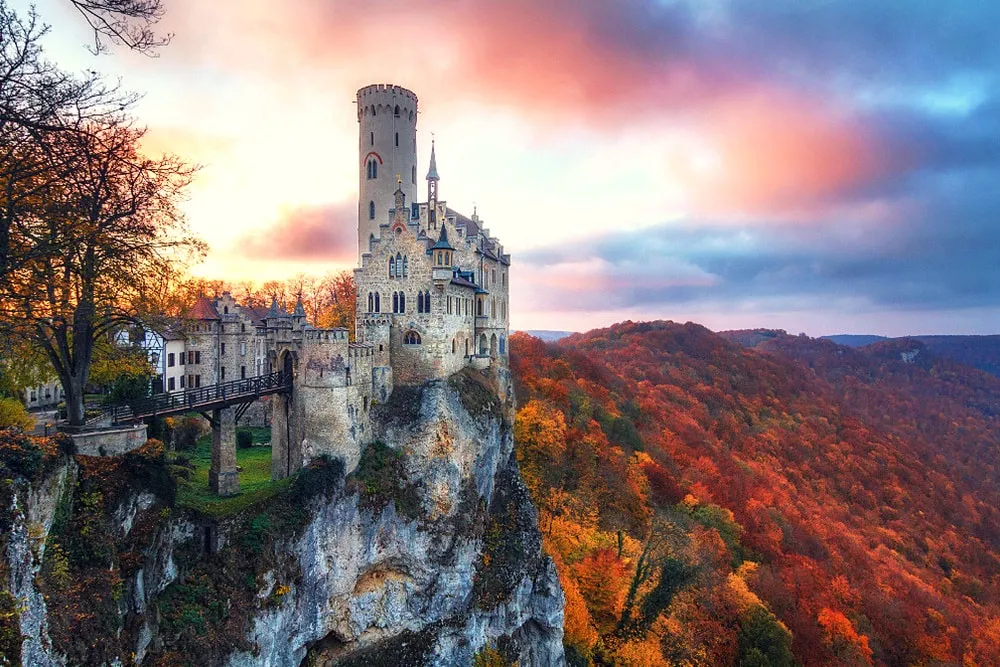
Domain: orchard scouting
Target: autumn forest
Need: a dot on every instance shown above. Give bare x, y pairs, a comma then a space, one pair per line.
755, 498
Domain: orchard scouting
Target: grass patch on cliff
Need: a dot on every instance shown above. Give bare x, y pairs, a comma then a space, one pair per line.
256, 484
381, 478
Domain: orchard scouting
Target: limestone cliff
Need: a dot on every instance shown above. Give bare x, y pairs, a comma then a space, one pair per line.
427, 553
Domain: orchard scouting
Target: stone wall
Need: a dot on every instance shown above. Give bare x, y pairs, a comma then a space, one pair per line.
110, 442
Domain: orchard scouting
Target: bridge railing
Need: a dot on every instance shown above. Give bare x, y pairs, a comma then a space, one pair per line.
193, 397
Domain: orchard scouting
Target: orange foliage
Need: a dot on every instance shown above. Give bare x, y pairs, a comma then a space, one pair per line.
865, 486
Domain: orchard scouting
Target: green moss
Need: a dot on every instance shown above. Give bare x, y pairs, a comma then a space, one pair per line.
511, 542
380, 478
478, 395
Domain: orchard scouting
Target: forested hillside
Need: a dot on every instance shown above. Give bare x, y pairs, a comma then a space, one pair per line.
795, 502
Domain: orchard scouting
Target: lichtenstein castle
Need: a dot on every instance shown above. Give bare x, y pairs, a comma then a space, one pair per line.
432, 298
432, 283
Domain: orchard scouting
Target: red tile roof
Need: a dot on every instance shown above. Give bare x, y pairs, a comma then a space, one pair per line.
202, 310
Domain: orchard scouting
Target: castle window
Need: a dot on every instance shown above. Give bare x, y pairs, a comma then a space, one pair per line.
395, 302
440, 258
413, 175
427, 302
371, 213
453, 346
479, 307
420, 302
347, 376
371, 303
414, 207
373, 109
392, 267
378, 305
371, 138
225, 310
396, 111
411, 338
397, 139
402, 302
494, 278
406, 267
243, 372
223, 373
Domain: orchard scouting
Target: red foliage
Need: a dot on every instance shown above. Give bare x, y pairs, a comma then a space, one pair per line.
866, 481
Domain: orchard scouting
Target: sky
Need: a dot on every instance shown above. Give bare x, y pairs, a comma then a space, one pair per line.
817, 166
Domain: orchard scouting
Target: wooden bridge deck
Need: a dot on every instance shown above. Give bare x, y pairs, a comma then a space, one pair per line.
202, 399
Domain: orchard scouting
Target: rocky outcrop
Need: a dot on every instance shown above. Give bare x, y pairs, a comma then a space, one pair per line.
427, 553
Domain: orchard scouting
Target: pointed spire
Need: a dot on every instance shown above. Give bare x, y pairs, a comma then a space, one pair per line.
274, 311
300, 310
442, 243
432, 173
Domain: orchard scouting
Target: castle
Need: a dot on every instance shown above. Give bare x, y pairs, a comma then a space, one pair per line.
432, 297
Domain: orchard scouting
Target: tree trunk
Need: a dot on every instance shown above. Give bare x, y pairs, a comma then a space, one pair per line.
73, 388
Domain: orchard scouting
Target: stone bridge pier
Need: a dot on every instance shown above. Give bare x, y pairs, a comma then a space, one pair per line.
223, 479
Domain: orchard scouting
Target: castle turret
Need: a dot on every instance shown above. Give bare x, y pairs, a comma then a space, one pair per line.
387, 151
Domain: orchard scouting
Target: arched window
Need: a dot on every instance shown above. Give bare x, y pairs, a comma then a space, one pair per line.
420, 302
373, 109
374, 169
371, 239
392, 267
503, 345
440, 258
406, 267
411, 338
453, 346
378, 305
371, 138
402, 302
371, 303
479, 307
397, 139
427, 302
395, 111
395, 302
371, 212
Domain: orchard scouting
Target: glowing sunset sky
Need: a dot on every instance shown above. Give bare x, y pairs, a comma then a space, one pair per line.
810, 165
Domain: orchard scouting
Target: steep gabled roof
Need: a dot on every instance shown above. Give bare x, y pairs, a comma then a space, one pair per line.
203, 309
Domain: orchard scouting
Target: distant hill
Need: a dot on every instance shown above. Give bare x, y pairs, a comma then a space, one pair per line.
851, 494
854, 340
982, 352
547, 335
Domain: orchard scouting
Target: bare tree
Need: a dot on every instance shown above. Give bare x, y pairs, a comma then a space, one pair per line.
113, 231
127, 22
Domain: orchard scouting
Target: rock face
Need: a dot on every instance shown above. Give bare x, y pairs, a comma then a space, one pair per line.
426, 566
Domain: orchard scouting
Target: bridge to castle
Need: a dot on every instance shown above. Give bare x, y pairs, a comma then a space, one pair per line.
222, 405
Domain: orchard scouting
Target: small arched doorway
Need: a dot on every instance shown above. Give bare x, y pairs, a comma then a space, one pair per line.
493, 345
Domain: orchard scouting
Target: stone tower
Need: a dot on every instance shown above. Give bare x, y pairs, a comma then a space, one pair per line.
387, 149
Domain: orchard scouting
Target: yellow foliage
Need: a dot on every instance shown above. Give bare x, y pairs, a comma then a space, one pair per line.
13, 415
